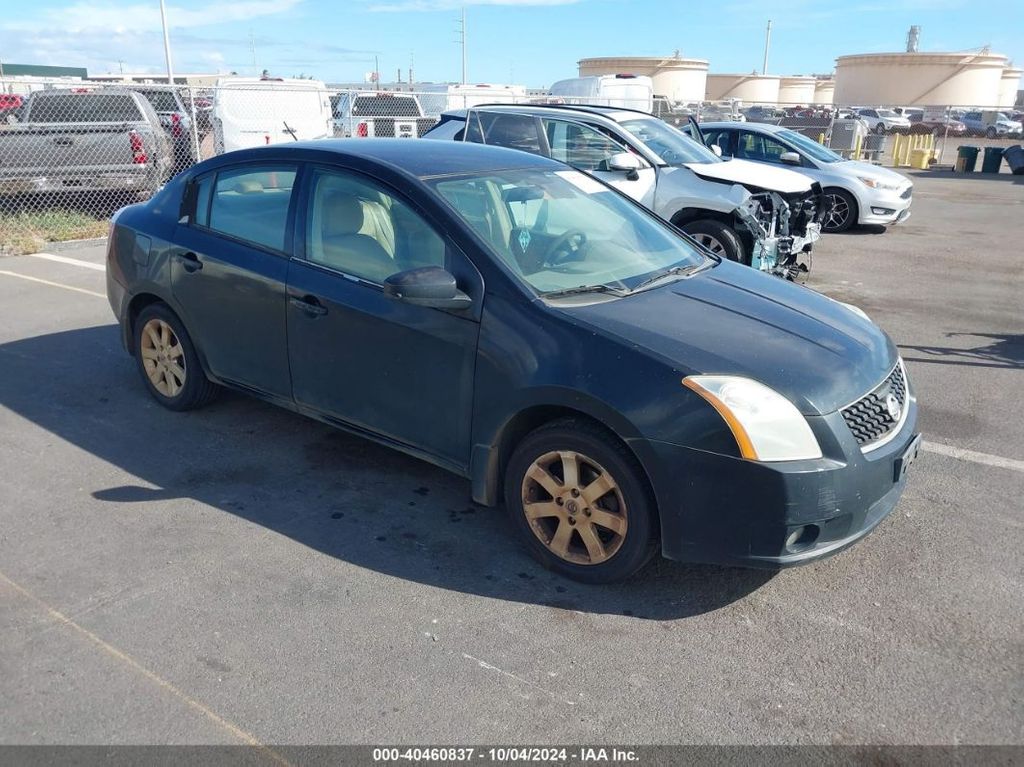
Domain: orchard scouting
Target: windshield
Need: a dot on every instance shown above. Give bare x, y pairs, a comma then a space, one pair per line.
809, 146
670, 144
560, 229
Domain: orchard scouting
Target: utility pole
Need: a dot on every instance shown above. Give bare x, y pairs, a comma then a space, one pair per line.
167, 44
767, 43
252, 49
464, 80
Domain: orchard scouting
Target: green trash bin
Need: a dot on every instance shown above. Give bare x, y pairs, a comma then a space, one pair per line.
993, 159
966, 159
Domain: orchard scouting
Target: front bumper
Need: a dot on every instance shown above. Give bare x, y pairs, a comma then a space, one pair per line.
885, 207
725, 510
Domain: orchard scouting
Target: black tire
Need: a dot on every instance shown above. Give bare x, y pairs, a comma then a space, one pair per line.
880, 129
990, 133
196, 389
842, 198
718, 238
628, 503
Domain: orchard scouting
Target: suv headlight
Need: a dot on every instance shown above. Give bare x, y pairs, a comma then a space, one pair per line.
874, 183
766, 425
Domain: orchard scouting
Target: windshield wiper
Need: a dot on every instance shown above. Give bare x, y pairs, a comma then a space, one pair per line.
583, 289
675, 271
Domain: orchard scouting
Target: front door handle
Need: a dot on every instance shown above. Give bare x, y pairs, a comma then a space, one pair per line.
189, 261
310, 305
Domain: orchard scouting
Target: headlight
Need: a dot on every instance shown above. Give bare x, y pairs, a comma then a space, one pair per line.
766, 425
874, 183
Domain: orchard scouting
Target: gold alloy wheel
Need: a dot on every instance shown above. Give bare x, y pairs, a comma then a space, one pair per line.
574, 507
162, 357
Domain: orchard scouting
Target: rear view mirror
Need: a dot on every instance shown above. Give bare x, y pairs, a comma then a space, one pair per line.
427, 286
716, 149
790, 158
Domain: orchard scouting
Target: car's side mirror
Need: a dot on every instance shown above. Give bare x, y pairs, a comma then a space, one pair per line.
789, 158
716, 149
625, 162
427, 286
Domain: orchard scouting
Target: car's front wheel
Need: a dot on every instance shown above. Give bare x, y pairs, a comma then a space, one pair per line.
718, 238
842, 213
580, 502
168, 362
880, 128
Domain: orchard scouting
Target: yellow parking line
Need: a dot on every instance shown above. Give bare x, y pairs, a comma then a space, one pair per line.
53, 284
108, 648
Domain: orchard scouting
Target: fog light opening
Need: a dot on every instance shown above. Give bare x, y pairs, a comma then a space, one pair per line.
802, 538
883, 211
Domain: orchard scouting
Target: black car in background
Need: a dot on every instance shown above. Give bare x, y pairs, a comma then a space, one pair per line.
521, 324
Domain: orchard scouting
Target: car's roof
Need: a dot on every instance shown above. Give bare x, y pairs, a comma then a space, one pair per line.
418, 158
756, 127
616, 114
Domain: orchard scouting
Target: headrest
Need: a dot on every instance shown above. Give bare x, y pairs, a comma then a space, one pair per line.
247, 187
342, 214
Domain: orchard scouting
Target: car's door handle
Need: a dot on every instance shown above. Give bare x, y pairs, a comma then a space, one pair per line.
189, 261
310, 305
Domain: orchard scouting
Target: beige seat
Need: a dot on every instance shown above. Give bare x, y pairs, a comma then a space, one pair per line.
345, 247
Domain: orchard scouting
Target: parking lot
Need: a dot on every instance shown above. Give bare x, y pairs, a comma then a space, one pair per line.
242, 574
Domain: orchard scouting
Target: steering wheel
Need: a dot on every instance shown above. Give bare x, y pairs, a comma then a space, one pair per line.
566, 248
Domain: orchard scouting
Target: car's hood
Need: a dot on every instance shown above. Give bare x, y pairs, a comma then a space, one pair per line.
753, 174
867, 170
733, 320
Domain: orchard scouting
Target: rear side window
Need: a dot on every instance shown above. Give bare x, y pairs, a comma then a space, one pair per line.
249, 204
507, 130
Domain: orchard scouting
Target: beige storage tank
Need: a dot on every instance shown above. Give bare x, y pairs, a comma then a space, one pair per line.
750, 89
674, 77
796, 90
919, 79
824, 90
1009, 83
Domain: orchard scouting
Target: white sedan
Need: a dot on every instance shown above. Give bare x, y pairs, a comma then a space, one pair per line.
860, 193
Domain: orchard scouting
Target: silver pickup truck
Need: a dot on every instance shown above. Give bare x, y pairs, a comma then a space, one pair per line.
84, 141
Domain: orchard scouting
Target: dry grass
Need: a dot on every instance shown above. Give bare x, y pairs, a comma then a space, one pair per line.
29, 231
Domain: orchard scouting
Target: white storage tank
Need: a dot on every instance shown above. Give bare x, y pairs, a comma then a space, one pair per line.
919, 79
824, 91
674, 77
1009, 84
796, 90
750, 89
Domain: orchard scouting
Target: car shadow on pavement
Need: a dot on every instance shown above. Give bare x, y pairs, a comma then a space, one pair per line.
998, 351
339, 494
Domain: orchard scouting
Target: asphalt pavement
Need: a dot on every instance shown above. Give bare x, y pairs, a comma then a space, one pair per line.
242, 574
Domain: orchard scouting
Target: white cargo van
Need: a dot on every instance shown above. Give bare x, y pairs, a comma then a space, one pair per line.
436, 98
249, 112
622, 91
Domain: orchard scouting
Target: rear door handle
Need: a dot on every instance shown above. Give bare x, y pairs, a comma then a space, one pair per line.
310, 305
189, 261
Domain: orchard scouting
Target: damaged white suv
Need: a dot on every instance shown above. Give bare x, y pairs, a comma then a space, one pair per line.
767, 218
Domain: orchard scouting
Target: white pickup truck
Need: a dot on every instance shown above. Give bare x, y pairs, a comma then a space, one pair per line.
106, 139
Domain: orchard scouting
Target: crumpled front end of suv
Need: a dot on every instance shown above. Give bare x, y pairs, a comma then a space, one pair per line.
784, 228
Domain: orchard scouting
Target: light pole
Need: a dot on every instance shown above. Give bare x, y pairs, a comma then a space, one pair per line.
167, 44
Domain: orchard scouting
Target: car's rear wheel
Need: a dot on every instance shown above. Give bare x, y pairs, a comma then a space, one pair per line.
842, 213
168, 361
718, 238
990, 133
580, 502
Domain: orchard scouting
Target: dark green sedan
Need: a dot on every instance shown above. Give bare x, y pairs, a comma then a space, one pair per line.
620, 390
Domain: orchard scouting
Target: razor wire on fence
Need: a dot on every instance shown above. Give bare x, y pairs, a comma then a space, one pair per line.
72, 153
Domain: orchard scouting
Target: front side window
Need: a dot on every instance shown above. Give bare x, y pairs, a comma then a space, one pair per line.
249, 204
358, 228
759, 148
810, 147
559, 230
579, 145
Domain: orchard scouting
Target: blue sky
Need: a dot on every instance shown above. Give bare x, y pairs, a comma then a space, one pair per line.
532, 42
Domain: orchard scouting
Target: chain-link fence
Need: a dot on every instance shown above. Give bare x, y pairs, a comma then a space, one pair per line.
72, 153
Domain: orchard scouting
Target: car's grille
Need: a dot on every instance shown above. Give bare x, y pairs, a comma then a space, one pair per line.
907, 192
869, 418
